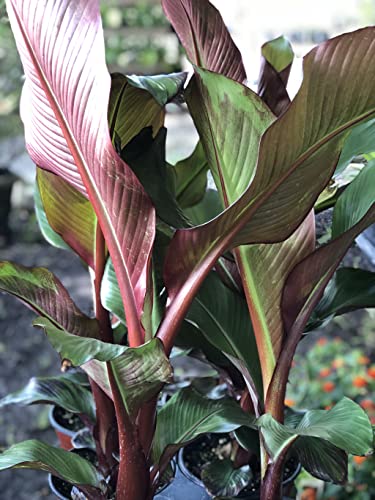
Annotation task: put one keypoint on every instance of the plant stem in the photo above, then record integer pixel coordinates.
(133, 481)
(133, 476)
(271, 488)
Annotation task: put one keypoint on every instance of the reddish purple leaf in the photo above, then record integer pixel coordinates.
(297, 156)
(40, 290)
(64, 109)
(204, 36)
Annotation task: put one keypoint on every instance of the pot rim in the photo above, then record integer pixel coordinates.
(185, 471)
(58, 426)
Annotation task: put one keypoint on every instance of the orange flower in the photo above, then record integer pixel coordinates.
(367, 404)
(309, 494)
(363, 360)
(289, 402)
(338, 363)
(372, 420)
(359, 381)
(328, 407)
(359, 460)
(322, 341)
(371, 371)
(324, 372)
(328, 386)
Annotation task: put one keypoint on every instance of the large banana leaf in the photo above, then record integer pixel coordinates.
(34, 454)
(59, 391)
(264, 268)
(43, 292)
(205, 37)
(297, 157)
(64, 109)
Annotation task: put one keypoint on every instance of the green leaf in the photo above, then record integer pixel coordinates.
(55, 390)
(207, 209)
(110, 293)
(140, 374)
(48, 233)
(187, 415)
(355, 202)
(146, 157)
(335, 426)
(190, 177)
(223, 318)
(348, 290)
(78, 350)
(44, 293)
(163, 88)
(34, 454)
(222, 479)
(69, 214)
(129, 94)
(361, 140)
(322, 459)
(278, 53)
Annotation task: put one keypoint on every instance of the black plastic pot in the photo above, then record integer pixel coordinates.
(65, 428)
(245, 495)
(62, 489)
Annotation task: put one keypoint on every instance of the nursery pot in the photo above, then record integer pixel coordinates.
(62, 489)
(252, 491)
(66, 425)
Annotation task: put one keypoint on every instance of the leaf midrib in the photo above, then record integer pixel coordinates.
(83, 169)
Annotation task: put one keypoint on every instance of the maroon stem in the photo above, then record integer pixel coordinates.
(271, 488)
(105, 430)
(133, 475)
(133, 481)
(146, 424)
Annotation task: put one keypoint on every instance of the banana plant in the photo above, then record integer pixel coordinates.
(233, 272)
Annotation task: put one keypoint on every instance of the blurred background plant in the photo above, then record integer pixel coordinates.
(10, 79)
(329, 370)
(138, 38)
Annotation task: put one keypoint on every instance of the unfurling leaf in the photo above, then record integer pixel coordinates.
(277, 59)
